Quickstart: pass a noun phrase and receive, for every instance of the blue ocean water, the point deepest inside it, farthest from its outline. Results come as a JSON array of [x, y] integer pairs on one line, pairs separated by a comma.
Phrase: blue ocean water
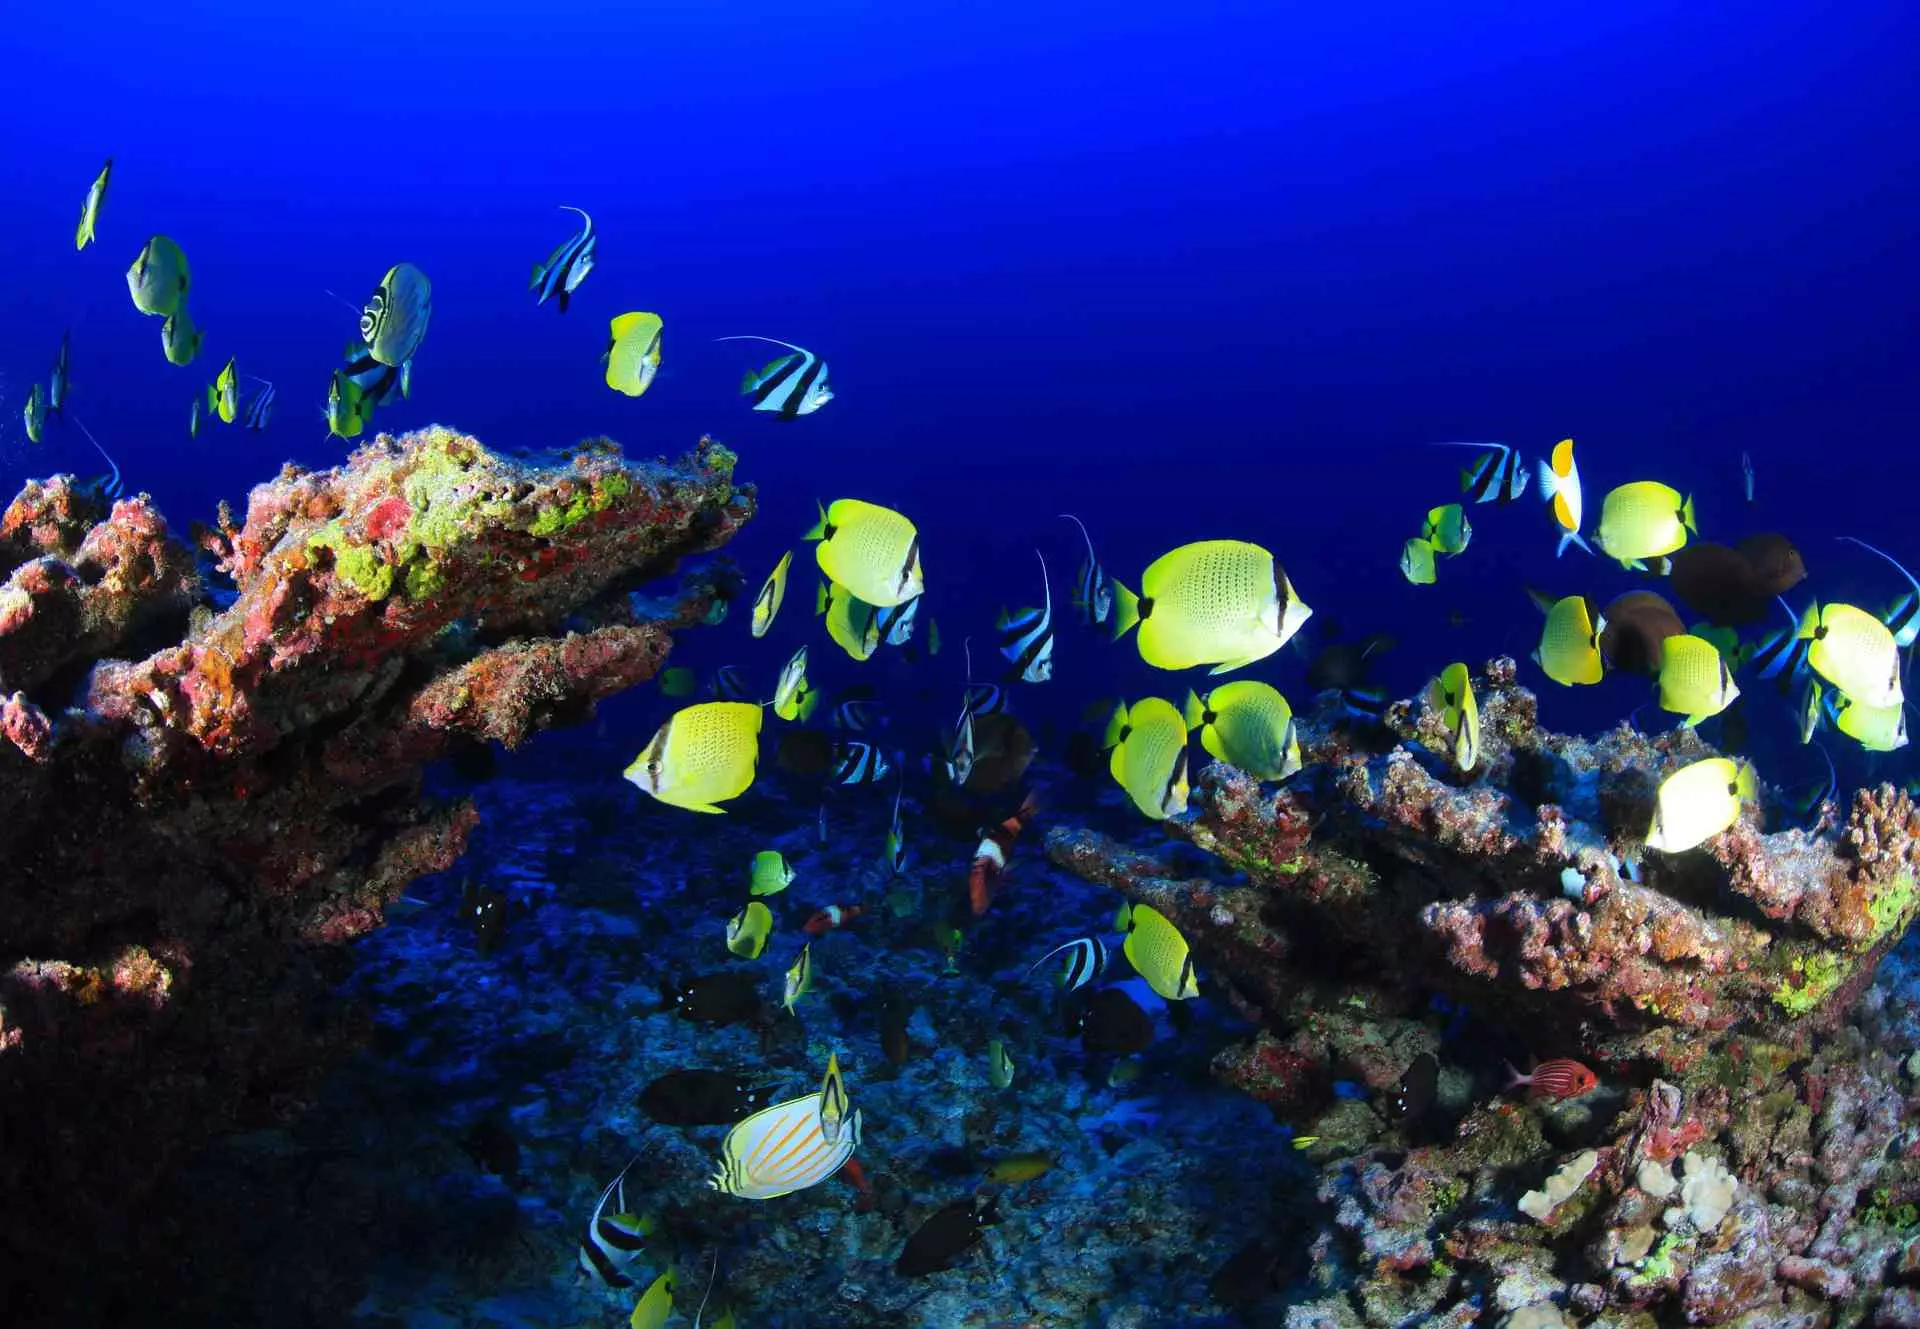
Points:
[[1215, 270]]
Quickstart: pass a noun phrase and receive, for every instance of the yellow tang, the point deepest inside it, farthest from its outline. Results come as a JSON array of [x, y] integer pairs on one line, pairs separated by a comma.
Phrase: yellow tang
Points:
[[1875, 728], [83, 234], [179, 338], [394, 321], [1221, 602], [800, 977], [633, 353], [1694, 679], [1247, 724], [1569, 650], [1019, 1167], [223, 394], [767, 603], [770, 873], [748, 930], [1157, 951], [703, 755], [851, 622], [872, 551], [1854, 651], [1447, 529], [1643, 520], [1416, 562], [655, 1304], [1697, 802], [1149, 757], [1452, 695], [791, 693], [158, 279]]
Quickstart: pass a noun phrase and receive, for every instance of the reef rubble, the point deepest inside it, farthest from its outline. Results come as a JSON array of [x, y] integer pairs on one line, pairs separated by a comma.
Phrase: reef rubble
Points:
[[1748, 1155], [211, 763]]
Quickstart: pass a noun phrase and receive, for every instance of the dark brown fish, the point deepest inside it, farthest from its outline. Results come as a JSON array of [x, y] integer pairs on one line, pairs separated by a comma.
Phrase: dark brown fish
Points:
[[1002, 750], [804, 752], [492, 1147], [1719, 584], [1410, 1099], [488, 912], [727, 997], [1637, 623], [1776, 563], [1111, 1021], [1345, 664], [952, 1231], [702, 1098], [894, 1014]]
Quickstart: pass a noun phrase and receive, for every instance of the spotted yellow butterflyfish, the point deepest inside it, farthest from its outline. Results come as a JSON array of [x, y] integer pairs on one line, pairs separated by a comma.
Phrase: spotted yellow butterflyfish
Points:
[[792, 1145], [1225, 603], [703, 755], [872, 551], [1854, 651]]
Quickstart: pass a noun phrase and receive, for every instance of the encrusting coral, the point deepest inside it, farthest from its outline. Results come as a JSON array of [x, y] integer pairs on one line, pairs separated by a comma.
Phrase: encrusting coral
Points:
[[199, 792], [1720, 1172]]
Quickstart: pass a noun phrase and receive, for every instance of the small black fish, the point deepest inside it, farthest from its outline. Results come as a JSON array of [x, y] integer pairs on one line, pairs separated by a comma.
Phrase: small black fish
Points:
[[1411, 1098], [952, 1231], [492, 1147], [727, 997], [701, 1098], [1112, 1021], [489, 912]]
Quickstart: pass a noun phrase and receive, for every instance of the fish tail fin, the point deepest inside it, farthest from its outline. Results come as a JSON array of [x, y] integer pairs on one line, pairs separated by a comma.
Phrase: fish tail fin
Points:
[[1686, 514], [539, 275], [822, 598], [1116, 729], [818, 531], [1516, 1079], [1541, 600], [1549, 482], [1572, 538], [1809, 621], [1126, 609], [1194, 713]]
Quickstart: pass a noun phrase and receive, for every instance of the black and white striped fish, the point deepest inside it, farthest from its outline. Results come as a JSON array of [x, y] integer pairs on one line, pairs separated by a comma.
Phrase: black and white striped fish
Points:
[[857, 715], [375, 381], [896, 621], [109, 486], [567, 266], [1093, 593], [1086, 961], [1497, 475], [859, 763], [960, 747], [789, 387], [1026, 638], [614, 1235], [986, 698], [729, 684], [260, 408]]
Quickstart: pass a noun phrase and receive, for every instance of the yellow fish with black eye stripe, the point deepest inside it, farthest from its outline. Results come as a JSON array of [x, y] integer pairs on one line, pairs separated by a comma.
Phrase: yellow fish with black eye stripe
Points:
[[1452, 696]]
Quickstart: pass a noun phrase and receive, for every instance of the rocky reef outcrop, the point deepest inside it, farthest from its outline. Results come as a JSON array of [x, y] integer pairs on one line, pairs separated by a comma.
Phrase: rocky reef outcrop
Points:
[[211, 769], [1745, 1158]]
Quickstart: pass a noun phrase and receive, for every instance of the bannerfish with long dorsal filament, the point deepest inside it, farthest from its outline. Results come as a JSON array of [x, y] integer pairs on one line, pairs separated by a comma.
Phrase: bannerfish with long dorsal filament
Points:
[[786, 388], [567, 266]]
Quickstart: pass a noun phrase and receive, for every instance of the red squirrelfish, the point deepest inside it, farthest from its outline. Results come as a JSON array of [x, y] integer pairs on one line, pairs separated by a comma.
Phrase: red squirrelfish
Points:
[[832, 917], [990, 859], [1562, 1077]]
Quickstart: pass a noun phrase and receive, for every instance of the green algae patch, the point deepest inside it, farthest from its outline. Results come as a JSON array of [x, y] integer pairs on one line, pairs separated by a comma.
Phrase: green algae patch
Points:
[[359, 566], [448, 500], [1818, 974], [1891, 909], [595, 497]]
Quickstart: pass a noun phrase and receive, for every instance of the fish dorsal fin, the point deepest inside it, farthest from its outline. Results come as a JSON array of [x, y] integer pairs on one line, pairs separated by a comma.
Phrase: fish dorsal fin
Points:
[[749, 336], [1083, 535]]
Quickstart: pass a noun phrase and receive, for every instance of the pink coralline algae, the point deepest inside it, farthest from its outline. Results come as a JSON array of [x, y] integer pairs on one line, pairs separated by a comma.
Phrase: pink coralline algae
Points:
[[1748, 1157], [239, 785]]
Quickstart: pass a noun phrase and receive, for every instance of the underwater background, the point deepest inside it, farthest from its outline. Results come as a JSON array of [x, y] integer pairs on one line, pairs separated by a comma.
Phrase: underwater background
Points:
[[1188, 272]]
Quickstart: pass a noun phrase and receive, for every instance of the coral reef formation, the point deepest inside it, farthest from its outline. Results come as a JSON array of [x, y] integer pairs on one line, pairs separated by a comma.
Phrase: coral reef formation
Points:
[[201, 788], [1389, 906]]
